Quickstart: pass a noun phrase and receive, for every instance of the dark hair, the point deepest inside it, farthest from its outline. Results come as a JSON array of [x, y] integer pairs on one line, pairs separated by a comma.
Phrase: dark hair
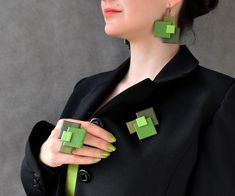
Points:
[[192, 9]]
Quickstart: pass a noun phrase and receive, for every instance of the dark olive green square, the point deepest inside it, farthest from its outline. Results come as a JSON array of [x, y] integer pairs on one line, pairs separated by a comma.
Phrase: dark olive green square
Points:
[[66, 149], [66, 124], [174, 39], [130, 126], [171, 19], [149, 112]]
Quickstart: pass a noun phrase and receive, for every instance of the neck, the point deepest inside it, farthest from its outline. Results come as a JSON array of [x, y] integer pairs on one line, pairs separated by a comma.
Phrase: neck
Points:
[[148, 57]]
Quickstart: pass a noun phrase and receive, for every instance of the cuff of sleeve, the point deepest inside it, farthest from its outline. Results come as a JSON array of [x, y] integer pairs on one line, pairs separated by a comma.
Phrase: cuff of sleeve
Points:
[[38, 136]]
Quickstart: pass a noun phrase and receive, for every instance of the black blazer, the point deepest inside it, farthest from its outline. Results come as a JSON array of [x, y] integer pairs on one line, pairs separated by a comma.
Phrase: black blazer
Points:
[[192, 155]]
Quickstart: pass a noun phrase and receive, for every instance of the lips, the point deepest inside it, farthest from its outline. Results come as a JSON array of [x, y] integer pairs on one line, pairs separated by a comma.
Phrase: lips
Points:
[[109, 11]]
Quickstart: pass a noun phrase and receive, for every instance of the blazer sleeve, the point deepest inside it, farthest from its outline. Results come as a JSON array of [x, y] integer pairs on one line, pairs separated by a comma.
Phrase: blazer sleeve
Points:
[[214, 172], [36, 176]]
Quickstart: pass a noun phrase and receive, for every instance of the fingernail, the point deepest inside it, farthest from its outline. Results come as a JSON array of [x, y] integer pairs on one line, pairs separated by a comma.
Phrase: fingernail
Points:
[[96, 159], [112, 138], [105, 154], [111, 147]]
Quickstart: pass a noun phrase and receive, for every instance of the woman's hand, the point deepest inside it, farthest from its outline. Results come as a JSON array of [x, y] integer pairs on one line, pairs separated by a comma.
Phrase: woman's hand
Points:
[[98, 140]]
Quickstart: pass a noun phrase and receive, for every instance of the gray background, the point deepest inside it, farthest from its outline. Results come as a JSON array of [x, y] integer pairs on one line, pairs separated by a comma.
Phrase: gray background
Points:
[[46, 46]]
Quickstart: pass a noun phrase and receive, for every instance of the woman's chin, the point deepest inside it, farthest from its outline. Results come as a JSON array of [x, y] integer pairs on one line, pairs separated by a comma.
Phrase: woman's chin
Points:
[[113, 32]]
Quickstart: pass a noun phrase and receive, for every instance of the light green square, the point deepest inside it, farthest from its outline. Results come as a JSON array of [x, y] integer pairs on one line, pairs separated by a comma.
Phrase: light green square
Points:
[[141, 121], [130, 126], [170, 29], [147, 130], [66, 136], [160, 29]]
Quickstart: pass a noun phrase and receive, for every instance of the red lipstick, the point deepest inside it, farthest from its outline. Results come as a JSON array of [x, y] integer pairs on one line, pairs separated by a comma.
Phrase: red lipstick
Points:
[[110, 11]]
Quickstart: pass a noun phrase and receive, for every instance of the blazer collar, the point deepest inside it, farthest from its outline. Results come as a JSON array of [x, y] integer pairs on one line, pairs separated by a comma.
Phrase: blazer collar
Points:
[[182, 64]]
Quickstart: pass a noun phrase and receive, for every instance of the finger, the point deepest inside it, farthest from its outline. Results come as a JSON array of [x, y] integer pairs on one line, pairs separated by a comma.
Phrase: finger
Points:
[[98, 143], [73, 120], [90, 152], [98, 132], [81, 160], [93, 129], [56, 131]]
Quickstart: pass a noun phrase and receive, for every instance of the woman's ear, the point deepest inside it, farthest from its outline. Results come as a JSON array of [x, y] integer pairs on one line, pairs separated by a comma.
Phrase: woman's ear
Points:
[[172, 3]]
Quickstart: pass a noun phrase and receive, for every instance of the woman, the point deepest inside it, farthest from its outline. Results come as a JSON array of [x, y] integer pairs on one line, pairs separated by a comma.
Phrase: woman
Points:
[[191, 151]]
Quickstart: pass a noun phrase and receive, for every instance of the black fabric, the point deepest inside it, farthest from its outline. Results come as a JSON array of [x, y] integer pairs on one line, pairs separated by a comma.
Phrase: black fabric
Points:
[[192, 154]]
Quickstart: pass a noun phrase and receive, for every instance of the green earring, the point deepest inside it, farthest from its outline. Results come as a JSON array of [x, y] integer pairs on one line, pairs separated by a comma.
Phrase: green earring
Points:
[[167, 30], [126, 42]]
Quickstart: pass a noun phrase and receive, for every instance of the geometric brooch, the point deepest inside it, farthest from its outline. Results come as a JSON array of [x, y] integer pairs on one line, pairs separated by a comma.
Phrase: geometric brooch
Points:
[[144, 124]]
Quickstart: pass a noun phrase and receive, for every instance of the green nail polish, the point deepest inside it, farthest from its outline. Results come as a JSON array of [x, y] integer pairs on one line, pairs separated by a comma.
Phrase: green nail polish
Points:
[[105, 154], [111, 147], [96, 159], [112, 138]]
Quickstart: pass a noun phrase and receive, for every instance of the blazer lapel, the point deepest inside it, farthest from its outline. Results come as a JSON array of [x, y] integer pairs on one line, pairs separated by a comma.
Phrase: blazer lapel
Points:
[[182, 64], [100, 90]]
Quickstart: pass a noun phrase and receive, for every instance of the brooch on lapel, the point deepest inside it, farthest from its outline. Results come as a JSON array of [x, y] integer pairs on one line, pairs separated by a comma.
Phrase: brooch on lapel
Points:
[[144, 124]]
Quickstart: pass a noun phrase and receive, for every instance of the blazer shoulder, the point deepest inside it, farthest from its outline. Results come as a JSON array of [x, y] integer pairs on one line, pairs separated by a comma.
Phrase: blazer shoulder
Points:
[[91, 80], [214, 78], [215, 74], [99, 78]]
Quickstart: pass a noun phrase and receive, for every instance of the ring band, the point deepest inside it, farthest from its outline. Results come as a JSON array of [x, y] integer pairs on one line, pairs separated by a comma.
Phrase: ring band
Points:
[[72, 136]]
